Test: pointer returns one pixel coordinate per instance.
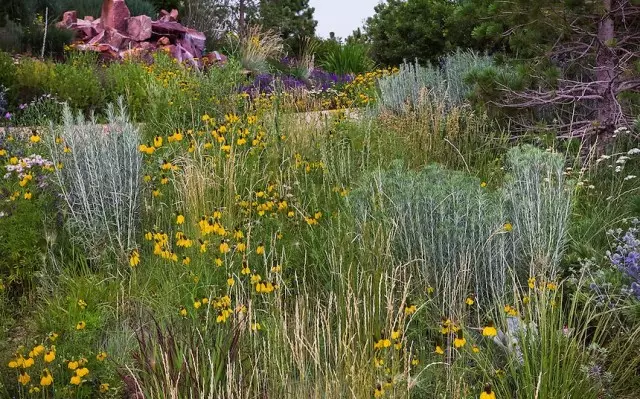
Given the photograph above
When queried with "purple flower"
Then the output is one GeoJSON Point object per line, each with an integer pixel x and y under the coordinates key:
{"type": "Point", "coordinates": [7, 115]}
{"type": "Point", "coordinates": [626, 256]}
{"type": "Point", "coordinates": [22, 106]}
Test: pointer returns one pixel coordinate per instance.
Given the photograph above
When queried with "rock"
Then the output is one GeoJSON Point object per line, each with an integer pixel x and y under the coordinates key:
{"type": "Point", "coordinates": [68, 18]}
{"type": "Point", "coordinates": [139, 28]}
{"type": "Point", "coordinates": [88, 18]}
{"type": "Point", "coordinates": [168, 28]}
{"type": "Point", "coordinates": [115, 39]}
{"type": "Point", "coordinates": [115, 14]}
{"type": "Point", "coordinates": [166, 16]}
{"type": "Point", "coordinates": [116, 35]}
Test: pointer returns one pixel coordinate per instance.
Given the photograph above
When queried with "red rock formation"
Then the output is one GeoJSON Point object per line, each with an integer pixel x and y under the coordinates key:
{"type": "Point", "coordinates": [117, 34]}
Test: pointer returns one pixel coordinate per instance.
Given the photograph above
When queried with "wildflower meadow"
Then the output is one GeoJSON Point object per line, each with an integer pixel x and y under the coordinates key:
{"type": "Point", "coordinates": [277, 227]}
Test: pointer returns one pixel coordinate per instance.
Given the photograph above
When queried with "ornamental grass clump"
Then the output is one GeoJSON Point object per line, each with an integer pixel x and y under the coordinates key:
{"type": "Point", "coordinates": [98, 172]}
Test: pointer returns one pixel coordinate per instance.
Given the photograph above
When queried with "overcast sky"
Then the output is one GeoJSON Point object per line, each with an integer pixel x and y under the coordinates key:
{"type": "Point", "coordinates": [341, 16]}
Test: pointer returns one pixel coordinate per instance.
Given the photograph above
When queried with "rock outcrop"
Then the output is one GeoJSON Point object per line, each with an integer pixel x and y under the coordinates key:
{"type": "Point", "coordinates": [116, 34]}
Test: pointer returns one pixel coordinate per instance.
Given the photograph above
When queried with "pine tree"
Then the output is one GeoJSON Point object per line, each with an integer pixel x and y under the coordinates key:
{"type": "Point", "coordinates": [292, 18]}
{"type": "Point", "coordinates": [581, 60]}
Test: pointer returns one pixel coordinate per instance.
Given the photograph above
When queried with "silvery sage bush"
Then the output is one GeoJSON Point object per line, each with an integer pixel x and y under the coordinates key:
{"type": "Point", "coordinates": [466, 238]}
{"type": "Point", "coordinates": [98, 174]}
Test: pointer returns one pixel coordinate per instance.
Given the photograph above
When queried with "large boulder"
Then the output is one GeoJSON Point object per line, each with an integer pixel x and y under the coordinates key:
{"type": "Point", "coordinates": [115, 14]}
{"type": "Point", "coordinates": [139, 28]}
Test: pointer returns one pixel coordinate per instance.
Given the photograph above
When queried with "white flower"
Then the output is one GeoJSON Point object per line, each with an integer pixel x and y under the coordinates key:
{"type": "Point", "coordinates": [633, 151]}
{"type": "Point", "coordinates": [629, 177]}
{"type": "Point", "coordinates": [622, 160]}
{"type": "Point", "coordinates": [618, 168]}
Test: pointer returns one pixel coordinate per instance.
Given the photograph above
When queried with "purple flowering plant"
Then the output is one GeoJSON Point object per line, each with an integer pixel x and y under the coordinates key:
{"type": "Point", "coordinates": [626, 255]}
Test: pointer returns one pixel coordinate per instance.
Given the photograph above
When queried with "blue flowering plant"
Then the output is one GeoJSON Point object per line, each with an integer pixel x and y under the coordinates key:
{"type": "Point", "coordinates": [626, 255]}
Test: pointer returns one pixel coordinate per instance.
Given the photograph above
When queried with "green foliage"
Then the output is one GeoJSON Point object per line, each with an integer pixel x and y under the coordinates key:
{"type": "Point", "coordinates": [348, 58]}
{"type": "Point", "coordinates": [292, 18]}
{"type": "Point", "coordinates": [8, 72]}
{"type": "Point", "coordinates": [130, 80]}
{"type": "Point", "coordinates": [77, 82]}
{"type": "Point", "coordinates": [22, 241]}
{"type": "Point", "coordinates": [413, 29]}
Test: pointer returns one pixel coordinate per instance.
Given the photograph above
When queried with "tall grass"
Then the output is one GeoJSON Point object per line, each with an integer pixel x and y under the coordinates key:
{"type": "Point", "coordinates": [98, 174]}
{"type": "Point", "coordinates": [255, 47]}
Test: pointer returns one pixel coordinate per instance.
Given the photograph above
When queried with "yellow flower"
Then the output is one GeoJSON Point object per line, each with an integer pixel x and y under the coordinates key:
{"type": "Point", "coordinates": [256, 327]}
{"type": "Point", "coordinates": [230, 281]}
{"type": "Point", "coordinates": [460, 340]}
{"type": "Point", "coordinates": [101, 356]}
{"type": "Point", "coordinates": [35, 138]}
{"type": "Point", "coordinates": [46, 378]}
{"type": "Point", "coordinates": [82, 304]}
{"type": "Point", "coordinates": [186, 260]}
{"type": "Point", "coordinates": [409, 309]}
{"type": "Point", "coordinates": [72, 365]}
{"type": "Point", "coordinates": [104, 387]}
{"type": "Point", "coordinates": [487, 393]}
{"type": "Point", "coordinates": [75, 380]}
{"type": "Point", "coordinates": [27, 195]}
{"type": "Point", "coordinates": [508, 227]}
{"type": "Point", "coordinates": [218, 262]}
{"type": "Point", "coordinates": [49, 356]}
{"type": "Point", "coordinates": [475, 349]}
{"type": "Point", "coordinates": [52, 337]}
{"type": "Point", "coordinates": [179, 219]}
{"type": "Point", "coordinates": [224, 247]}
{"type": "Point", "coordinates": [395, 334]}
{"type": "Point", "coordinates": [39, 349]}
{"type": "Point", "coordinates": [415, 361]}
{"type": "Point", "coordinates": [470, 300]}
{"type": "Point", "coordinates": [157, 141]}
{"type": "Point", "coordinates": [525, 300]}
{"type": "Point", "coordinates": [532, 282]}
{"type": "Point", "coordinates": [378, 392]}
{"type": "Point", "coordinates": [551, 286]}
{"type": "Point", "coordinates": [28, 362]}
{"type": "Point", "coordinates": [24, 377]}
{"type": "Point", "coordinates": [439, 350]}
{"type": "Point", "coordinates": [205, 300]}
{"type": "Point", "coordinates": [489, 330]}
{"type": "Point", "coordinates": [483, 184]}
{"type": "Point", "coordinates": [81, 325]}
{"type": "Point", "coordinates": [183, 311]}
{"type": "Point", "coordinates": [260, 249]}
{"type": "Point", "coordinates": [134, 260]}
{"type": "Point", "coordinates": [82, 372]}
{"type": "Point", "coordinates": [197, 304]}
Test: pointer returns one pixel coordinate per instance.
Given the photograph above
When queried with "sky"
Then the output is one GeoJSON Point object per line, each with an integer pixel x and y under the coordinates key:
{"type": "Point", "coordinates": [341, 16]}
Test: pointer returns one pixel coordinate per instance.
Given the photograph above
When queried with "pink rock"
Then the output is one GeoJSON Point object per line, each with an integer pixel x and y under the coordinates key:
{"type": "Point", "coordinates": [163, 41]}
{"type": "Point", "coordinates": [68, 18]}
{"type": "Point", "coordinates": [166, 16]}
{"type": "Point", "coordinates": [115, 39]}
{"type": "Point", "coordinates": [115, 14]}
{"type": "Point", "coordinates": [139, 28]}
{"type": "Point", "coordinates": [168, 28]}
{"type": "Point", "coordinates": [197, 39]}
{"type": "Point", "coordinates": [89, 18]}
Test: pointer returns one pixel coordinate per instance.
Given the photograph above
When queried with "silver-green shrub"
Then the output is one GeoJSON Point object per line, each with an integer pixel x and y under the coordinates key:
{"type": "Point", "coordinates": [540, 204]}
{"type": "Point", "coordinates": [99, 180]}
{"type": "Point", "coordinates": [414, 84]}
{"type": "Point", "coordinates": [466, 238]}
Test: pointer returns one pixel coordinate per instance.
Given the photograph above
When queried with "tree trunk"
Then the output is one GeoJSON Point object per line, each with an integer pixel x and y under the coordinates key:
{"type": "Point", "coordinates": [241, 19]}
{"type": "Point", "coordinates": [607, 116]}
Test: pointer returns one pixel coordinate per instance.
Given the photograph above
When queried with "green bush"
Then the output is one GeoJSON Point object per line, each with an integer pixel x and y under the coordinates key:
{"type": "Point", "coordinates": [130, 80]}
{"type": "Point", "coordinates": [8, 72]}
{"type": "Point", "coordinates": [350, 58]}
{"type": "Point", "coordinates": [77, 82]}
{"type": "Point", "coordinates": [33, 79]}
